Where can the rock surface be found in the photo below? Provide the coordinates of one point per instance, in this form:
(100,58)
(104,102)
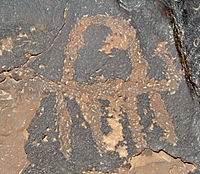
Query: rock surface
(98,87)
(185,16)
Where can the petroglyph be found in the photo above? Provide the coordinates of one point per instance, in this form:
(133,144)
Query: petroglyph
(123,37)
(99,109)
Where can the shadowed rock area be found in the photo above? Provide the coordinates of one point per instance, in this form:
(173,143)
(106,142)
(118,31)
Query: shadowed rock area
(185,16)
(108,86)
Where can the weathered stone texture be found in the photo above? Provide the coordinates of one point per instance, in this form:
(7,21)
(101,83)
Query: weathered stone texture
(94,87)
(185,16)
